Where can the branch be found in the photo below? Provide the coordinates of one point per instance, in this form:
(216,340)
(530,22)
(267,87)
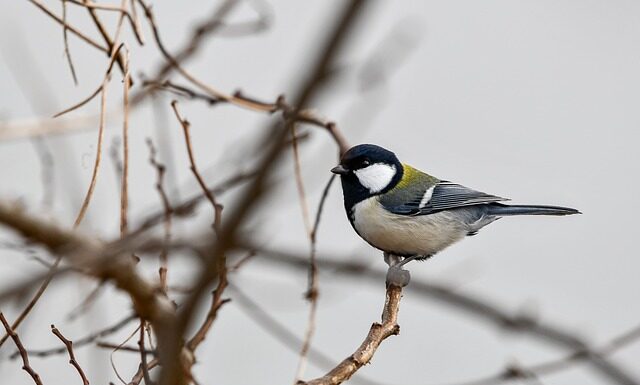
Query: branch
(75,31)
(105,261)
(34,300)
(475,306)
(23,353)
(364,353)
(217,208)
(72,357)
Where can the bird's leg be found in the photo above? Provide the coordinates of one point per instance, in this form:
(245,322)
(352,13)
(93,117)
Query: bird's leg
(391,259)
(396,275)
(407,260)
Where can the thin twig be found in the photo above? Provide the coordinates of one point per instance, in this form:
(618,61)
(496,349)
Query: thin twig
(131,349)
(312,289)
(168,212)
(98,90)
(96,166)
(302,196)
(67,53)
(217,301)
(23,352)
(135,380)
(85,340)
(217,208)
(124,191)
(75,31)
(143,355)
(34,300)
(111,43)
(131,16)
(72,357)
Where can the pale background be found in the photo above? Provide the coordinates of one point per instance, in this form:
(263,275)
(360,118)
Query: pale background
(533,100)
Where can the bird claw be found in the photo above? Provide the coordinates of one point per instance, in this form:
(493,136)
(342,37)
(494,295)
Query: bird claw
(398,276)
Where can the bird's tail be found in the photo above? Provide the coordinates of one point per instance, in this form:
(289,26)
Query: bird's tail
(502,210)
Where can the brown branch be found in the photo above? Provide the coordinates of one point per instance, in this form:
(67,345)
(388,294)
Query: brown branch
(67,53)
(472,305)
(217,208)
(124,191)
(273,142)
(168,212)
(291,112)
(217,301)
(131,16)
(143,355)
(105,80)
(23,352)
(72,357)
(110,262)
(75,31)
(96,166)
(378,333)
(43,286)
(312,289)
(85,340)
(111,43)
(121,348)
(285,336)
(139,376)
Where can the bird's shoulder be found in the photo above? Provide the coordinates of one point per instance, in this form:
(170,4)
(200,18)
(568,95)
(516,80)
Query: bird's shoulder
(409,191)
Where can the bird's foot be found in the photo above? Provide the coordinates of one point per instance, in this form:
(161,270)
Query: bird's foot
(398,276)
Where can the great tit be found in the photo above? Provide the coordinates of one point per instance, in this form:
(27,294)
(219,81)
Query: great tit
(409,214)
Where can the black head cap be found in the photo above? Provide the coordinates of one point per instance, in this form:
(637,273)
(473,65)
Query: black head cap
(363,155)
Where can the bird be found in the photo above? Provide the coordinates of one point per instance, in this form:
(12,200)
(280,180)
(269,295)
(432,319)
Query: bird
(411,215)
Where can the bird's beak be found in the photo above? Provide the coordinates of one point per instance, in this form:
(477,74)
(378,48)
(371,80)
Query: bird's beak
(339,169)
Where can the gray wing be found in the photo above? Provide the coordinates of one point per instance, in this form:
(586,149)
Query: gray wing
(442,196)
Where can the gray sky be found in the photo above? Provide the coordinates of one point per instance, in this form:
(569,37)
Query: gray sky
(532,100)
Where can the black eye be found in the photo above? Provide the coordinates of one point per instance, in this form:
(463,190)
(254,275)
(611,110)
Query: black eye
(366,163)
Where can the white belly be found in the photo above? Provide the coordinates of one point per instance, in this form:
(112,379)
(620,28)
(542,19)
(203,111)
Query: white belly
(408,235)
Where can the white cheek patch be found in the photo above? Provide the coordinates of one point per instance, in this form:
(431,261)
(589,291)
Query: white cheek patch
(376,177)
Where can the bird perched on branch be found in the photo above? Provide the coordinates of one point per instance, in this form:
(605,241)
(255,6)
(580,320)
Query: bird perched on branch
(409,214)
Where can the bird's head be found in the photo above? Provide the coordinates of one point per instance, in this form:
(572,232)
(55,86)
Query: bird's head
(367,170)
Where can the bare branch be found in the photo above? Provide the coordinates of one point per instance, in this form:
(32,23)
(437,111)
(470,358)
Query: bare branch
(43,286)
(72,357)
(67,53)
(378,333)
(217,208)
(23,352)
(85,340)
(96,166)
(75,31)
(124,191)
(168,211)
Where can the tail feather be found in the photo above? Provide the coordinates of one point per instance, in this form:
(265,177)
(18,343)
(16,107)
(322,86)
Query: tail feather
(501,210)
